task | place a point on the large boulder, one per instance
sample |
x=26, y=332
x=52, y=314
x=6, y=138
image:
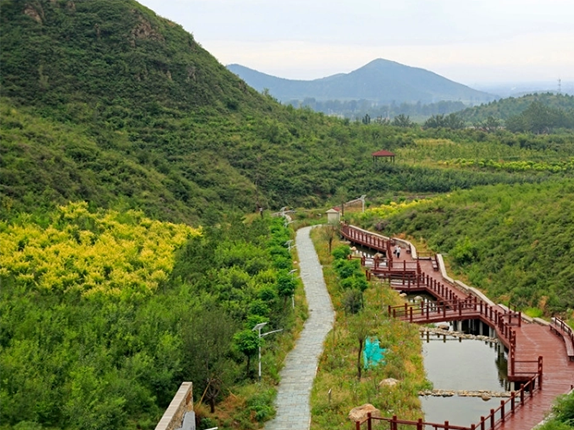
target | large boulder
x=360, y=412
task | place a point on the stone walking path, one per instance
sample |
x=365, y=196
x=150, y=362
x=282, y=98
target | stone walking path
x=293, y=394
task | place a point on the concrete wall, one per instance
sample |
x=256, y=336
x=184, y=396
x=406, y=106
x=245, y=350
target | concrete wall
x=182, y=402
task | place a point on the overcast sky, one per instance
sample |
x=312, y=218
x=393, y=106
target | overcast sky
x=468, y=41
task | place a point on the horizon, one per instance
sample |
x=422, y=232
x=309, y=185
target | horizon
x=491, y=43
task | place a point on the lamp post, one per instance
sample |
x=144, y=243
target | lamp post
x=289, y=244
x=292, y=273
x=258, y=327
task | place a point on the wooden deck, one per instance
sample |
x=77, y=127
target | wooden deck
x=531, y=340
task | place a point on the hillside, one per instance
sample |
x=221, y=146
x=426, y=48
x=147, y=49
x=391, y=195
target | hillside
x=506, y=108
x=380, y=81
x=106, y=102
x=513, y=242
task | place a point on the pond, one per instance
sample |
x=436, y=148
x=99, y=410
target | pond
x=462, y=364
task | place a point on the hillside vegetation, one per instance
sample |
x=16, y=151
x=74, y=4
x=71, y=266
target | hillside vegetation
x=107, y=103
x=120, y=135
x=513, y=242
x=104, y=314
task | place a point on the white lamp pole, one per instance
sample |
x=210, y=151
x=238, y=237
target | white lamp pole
x=258, y=327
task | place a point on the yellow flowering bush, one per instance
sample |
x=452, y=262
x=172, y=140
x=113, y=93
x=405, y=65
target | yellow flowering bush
x=107, y=252
x=386, y=210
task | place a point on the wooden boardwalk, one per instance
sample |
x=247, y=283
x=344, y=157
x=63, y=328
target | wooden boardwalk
x=527, y=341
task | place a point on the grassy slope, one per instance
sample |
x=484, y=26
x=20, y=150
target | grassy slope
x=514, y=242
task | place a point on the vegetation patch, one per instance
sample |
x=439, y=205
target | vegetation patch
x=342, y=381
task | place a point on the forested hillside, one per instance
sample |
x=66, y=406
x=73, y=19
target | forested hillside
x=514, y=242
x=536, y=113
x=105, y=313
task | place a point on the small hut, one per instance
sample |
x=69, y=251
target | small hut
x=333, y=216
x=386, y=155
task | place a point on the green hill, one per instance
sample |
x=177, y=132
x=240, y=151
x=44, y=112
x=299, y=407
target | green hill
x=106, y=102
x=514, y=242
x=504, y=109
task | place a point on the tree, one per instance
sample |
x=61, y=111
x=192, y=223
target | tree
x=285, y=286
x=328, y=234
x=207, y=337
x=247, y=342
x=402, y=120
x=360, y=326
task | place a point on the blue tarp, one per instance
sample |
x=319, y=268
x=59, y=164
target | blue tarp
x=373, y=354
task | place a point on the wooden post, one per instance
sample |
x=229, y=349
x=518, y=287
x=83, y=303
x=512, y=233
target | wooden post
x=512, y=402
x=482, y=420
x=369, y=425
x=492, y=418
x=502, y=414
x=411, y=314
x=357, y=425
x=540, y=372
x=420, y=424
x=521, y=394
x=394, y=423
x=446, y=425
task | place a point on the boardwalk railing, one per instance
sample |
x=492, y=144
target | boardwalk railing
x=495, y=418
x=470, y=308
x=560, y=327
x=365, y=238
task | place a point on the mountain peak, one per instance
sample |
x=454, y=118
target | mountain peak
x=381, y=81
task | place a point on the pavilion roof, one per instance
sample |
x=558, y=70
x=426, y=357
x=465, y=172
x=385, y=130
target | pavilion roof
x=383, y=153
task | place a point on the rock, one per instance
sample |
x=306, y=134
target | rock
x=443, y=326
x=360, y=412
x=418, y=299
x=485, y=396
x=403, y=294
x=389, y=382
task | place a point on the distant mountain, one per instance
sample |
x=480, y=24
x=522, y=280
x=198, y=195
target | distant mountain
x=380, y=81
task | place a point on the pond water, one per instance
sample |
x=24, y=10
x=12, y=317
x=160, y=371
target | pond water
x=454, y=364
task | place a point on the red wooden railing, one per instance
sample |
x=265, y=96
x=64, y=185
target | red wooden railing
x=364, y=238
x=560, y=327
x=458, y=309
x=496, y=416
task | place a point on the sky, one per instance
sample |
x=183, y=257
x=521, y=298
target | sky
x=469, y=41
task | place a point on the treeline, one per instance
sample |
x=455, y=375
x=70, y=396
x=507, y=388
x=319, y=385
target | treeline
x=513, y=106
x=514, y=242
x=103, y=341
x=357, y=109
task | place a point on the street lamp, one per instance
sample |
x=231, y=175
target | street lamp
x=258, y=327
x=289, y=244
x=362, y=199
x=292, y=273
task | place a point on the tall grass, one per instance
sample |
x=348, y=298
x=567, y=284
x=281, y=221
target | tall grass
x=337, y=389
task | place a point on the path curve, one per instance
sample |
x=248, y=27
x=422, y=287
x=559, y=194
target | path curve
x=293, y=394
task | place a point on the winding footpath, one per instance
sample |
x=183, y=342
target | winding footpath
x=293, y=394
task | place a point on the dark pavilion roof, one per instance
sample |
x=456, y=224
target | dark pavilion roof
x=382, y=153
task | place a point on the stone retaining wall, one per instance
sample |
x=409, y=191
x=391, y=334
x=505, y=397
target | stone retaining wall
x=182, y=402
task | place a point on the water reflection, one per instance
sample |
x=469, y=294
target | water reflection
x=462, y=364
